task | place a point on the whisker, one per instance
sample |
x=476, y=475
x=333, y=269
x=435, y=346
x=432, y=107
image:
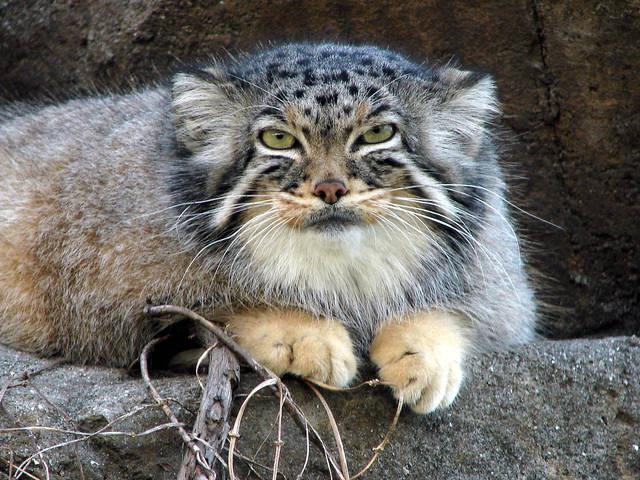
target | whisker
x=198, y=202
x=238, y=237
x=479, y=187
x=490, y=256
x=446, y=254
x=462, y=212
x=264, y=232
x=283, y=100
x=385, y=86
x=209, y=245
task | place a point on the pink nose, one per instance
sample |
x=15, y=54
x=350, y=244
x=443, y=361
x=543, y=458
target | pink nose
x=330, y=191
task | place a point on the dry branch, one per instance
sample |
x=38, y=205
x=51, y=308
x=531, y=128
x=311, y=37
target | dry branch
x=278, y=388
x=212, y=423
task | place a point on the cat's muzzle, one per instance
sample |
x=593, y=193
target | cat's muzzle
x=332, y=218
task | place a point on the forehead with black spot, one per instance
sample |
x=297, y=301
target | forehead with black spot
x=323, y=77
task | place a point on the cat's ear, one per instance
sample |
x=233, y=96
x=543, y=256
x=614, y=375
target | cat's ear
x=201, y=100
x=464, y=112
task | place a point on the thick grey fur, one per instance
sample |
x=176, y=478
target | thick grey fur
x=113, y=168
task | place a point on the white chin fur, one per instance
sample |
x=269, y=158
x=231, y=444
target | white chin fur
x=355, y=263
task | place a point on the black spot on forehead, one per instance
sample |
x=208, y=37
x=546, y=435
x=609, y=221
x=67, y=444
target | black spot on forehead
x=390, y=72
x=371, y=91
x=330, y=98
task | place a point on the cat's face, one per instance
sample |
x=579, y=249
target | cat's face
x=326, y=140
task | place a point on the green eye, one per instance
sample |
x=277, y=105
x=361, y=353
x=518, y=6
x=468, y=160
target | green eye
x=378, y=134
x=277, y=139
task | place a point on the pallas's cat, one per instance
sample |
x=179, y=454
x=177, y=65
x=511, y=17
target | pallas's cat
x=327, y=202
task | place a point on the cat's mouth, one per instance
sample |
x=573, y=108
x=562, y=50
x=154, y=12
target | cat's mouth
x=332, y=218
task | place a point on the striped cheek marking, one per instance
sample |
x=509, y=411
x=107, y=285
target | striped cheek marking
x=429, y=186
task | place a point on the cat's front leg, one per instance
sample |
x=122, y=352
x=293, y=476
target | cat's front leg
x=422, y=356
x=291, y=341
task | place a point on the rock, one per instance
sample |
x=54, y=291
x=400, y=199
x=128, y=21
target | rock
x=552, y=409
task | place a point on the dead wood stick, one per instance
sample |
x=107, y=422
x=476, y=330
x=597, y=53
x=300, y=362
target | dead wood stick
x=265, y=373
x=186, y=438
x=212, y=423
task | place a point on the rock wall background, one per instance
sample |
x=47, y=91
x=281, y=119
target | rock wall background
x=567, y=74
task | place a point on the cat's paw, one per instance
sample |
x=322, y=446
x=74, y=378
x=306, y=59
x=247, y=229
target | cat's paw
x=422, y=357
x=293, y=342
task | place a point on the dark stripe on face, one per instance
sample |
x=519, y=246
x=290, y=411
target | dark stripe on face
x=465, y=197
x=365, y=172
x=472, y=200
x=455, y=230
x=378, y=110
x=188, y=184
x=272, y=112
x=233, y=174
x=429, y=169
x=293, y=175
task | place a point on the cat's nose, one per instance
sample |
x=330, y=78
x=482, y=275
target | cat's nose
x=330, y=191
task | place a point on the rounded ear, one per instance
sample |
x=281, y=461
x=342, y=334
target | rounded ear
x=201, y=99
x=463, y=115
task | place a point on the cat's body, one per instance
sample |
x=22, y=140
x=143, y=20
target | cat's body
x=174, y=194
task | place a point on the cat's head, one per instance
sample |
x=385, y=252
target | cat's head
x=324, y=140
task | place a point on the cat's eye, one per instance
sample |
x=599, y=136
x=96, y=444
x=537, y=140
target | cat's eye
x=277, y=139
x=378, y=134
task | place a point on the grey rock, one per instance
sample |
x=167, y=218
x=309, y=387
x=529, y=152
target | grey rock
x=552, y=409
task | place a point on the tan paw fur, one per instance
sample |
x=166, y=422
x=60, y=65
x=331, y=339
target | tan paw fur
x=294, y=342
x=422, y=357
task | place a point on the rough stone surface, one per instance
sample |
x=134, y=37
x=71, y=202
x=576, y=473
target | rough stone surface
x=567, y=73
x=553, y=409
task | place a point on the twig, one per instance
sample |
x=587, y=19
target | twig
x=86, y=436
x=279, y=442
x=306, y=455
x=34, y=440
x=211, y=425
x=186, y=438
x=12, y=465
x=69, y=420
x=234, y=434
x=5, y=387
x=26, y=375
x=336, y=431
x=385, y=441
x=369, y=383
x=265, y=373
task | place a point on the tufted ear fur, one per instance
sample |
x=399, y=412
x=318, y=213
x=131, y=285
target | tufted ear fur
x=460, y=121
x=202, y=101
